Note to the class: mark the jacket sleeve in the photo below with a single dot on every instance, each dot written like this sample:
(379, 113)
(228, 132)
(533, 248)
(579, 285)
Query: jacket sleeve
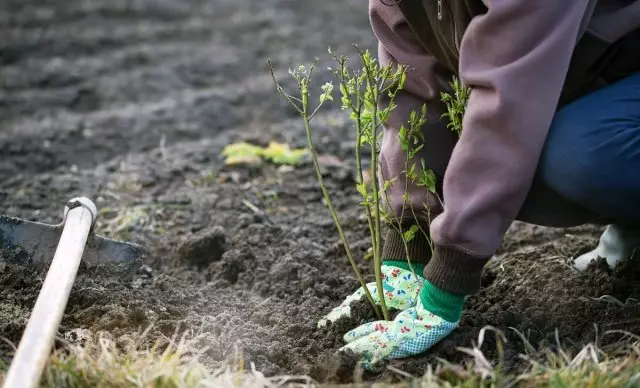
(425, 80)
(514, 58)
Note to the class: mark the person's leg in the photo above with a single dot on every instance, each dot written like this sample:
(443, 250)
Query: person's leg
(545, 206)
(591, 159)
(587, 139)
(592, 152)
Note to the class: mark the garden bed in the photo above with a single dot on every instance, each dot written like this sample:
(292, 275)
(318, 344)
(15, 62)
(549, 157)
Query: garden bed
(132, 103)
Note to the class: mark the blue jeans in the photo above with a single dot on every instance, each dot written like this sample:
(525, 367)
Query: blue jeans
(589, 170)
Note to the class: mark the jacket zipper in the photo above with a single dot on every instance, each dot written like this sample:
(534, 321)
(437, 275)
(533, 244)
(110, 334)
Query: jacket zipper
(453, 24)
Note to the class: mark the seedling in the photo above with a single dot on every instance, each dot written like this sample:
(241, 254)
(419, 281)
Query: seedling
(360, 93)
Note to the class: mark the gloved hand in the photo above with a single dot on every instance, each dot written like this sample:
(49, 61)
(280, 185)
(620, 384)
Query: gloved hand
(415, 330)
(615, 245)
(401, 288)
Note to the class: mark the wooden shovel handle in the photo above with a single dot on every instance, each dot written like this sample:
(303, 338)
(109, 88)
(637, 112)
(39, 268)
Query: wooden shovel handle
(35, 346)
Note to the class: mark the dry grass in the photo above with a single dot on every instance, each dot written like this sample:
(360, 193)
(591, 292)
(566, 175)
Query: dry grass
(100, 362)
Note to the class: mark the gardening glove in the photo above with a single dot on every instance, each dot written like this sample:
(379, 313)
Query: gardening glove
(615, 245)
(401, 288)
(436, 314)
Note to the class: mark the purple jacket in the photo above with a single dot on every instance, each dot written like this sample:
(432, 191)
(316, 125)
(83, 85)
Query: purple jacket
(515, 59)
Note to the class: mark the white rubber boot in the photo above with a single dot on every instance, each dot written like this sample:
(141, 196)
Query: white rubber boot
(615, 246)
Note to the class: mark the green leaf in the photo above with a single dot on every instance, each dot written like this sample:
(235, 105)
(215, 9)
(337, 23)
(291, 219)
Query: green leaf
(242, 153)
(346, 101)
(410, 234)
(412, 116)
(281, 154)
(367, 114)
(364, 138)
(402, 135)
(418, 148)
(427, 179)
(327, 89)
(362, 189)
(383, 115)
(405, 197)
(411, 173)
(387, 184)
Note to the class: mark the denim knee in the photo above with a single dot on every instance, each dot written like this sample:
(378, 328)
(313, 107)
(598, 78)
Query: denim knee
(592, 151)
(565, 166)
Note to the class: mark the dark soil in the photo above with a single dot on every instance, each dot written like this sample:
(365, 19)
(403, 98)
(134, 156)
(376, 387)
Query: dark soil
(131, 103)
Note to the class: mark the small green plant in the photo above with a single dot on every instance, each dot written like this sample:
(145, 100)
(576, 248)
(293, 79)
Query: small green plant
(302, 75)
(360, 93)
(277, 153)
(456, 104)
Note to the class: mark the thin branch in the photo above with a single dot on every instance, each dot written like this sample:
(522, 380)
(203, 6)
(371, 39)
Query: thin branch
(280, 90)
(374, 186)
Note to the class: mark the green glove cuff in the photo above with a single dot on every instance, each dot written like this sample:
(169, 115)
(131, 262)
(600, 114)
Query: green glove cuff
(418, 268)
(444, 304)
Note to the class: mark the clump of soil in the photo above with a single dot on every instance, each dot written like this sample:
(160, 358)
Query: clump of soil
(204, 248)
(132, 104)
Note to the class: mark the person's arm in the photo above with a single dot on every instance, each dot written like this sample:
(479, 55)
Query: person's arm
(425, 80)
(514, 58)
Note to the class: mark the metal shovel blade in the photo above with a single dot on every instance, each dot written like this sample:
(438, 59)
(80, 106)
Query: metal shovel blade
(28, 242)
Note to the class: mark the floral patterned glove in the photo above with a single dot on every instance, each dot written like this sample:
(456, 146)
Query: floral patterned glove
(413, 331)
(401, 288)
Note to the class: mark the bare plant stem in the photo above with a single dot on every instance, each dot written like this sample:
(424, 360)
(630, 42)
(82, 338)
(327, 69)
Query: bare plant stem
(361, 178)
(360, 94)
(377, 260)
(357, 110)
(398, 229)
(304, 112)
(424, 233)
(332, 210)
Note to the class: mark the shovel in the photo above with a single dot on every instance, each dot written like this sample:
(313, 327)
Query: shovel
(69, 243)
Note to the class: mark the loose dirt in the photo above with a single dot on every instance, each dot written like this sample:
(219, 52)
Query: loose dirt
(131, 104)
